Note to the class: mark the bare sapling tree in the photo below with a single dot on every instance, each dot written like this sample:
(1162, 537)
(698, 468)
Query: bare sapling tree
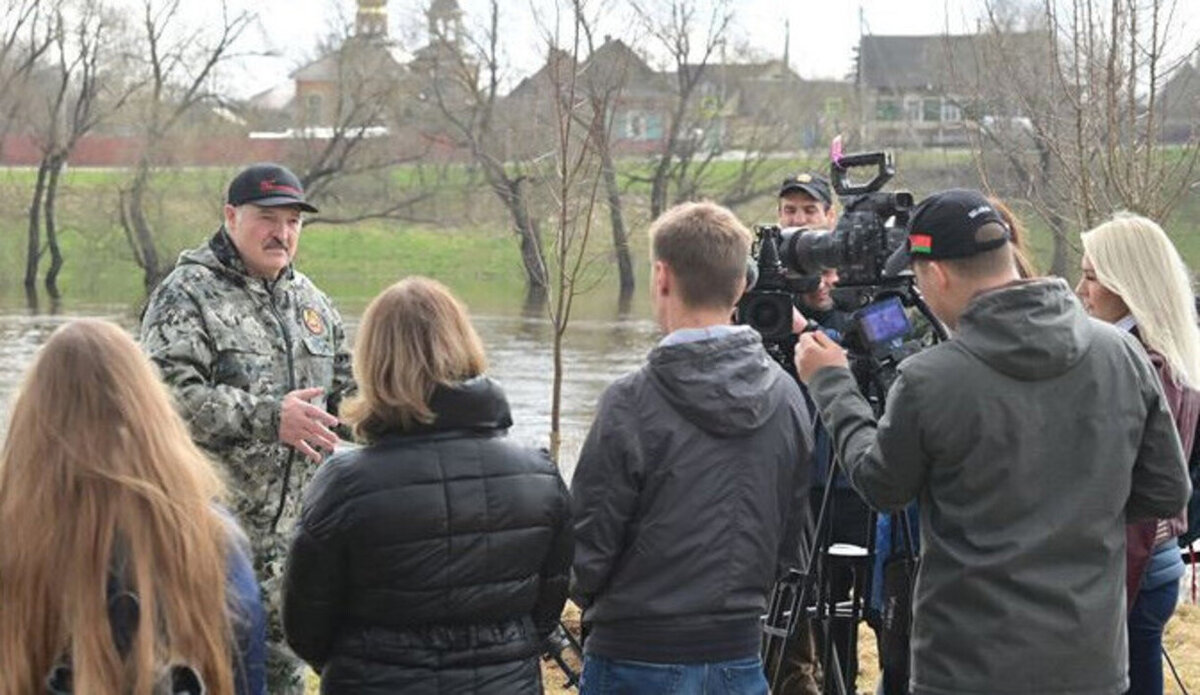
(462, 80)
(349, 154)
(674, 29)
(76, 93)
(581, 122)
(179, 65)
(1071, 108)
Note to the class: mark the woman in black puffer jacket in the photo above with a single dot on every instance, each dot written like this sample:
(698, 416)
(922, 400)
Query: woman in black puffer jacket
(435, 559)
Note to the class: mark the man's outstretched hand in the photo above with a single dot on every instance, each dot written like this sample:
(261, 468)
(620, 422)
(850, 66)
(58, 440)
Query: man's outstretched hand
(305, 427)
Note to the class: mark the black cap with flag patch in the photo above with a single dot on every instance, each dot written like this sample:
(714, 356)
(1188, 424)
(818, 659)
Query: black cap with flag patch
(946, 225)
(268, 186)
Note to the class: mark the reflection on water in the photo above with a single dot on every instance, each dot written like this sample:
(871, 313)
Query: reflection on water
(519, 353)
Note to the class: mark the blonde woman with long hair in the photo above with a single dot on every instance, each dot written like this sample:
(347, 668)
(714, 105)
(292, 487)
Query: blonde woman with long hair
(435, 558)
(1133, 277)
(118, 574)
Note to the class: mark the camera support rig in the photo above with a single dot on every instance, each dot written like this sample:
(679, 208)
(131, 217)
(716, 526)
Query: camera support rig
(858, 247)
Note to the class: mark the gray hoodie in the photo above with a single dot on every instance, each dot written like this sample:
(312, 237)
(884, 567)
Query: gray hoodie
(1029, 440)
(690, 488)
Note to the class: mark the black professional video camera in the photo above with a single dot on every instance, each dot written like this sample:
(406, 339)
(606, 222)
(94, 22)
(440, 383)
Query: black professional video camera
(859, 246)
(789, 263)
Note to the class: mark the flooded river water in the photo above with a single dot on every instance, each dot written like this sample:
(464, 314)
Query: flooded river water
(518, 349)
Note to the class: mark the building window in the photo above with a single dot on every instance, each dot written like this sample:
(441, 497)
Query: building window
(640, 125)
(636, 129)
(931, 109)
(312, 109)
(912, 108)
(951, 111)
(833, 107)
(887, 110)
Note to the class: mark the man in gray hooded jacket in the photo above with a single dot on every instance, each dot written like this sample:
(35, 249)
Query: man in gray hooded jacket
(692, 483)
(1029, 439)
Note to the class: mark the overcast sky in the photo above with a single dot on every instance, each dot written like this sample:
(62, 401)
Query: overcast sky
(823, 32)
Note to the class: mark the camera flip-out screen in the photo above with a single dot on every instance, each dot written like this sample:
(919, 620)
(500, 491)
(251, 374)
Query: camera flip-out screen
(883, 322)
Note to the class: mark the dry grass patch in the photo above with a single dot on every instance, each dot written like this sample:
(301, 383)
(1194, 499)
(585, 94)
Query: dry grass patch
(1182, 642)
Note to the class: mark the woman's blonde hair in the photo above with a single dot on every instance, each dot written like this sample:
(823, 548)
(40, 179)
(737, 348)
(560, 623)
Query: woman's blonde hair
(96, 459)
(414, 336)
(1134, 258)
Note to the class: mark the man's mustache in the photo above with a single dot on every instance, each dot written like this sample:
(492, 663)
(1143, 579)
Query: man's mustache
(275, 244)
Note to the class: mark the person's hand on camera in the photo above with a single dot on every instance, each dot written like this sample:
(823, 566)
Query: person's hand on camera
(814, 352)
(305, 427)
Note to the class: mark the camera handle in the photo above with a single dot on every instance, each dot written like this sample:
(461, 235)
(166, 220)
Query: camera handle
(885, 169)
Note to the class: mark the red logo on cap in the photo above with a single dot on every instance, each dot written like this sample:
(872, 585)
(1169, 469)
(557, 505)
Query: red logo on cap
(269, 186)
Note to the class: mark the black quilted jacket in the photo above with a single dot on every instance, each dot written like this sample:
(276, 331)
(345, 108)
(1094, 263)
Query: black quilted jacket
(434, 561)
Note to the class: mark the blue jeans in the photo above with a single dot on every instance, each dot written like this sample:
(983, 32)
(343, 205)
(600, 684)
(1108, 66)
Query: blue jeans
(1151, 610)
(603, 676)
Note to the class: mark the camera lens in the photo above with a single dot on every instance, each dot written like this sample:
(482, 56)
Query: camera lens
(808, 252)
(769, 313)
(765, 314)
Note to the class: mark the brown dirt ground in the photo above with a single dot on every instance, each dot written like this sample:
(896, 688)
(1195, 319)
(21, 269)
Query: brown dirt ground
(1182, 642)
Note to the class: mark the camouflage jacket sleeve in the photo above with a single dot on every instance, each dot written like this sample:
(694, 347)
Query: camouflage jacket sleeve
(177, 340)
(343, 385)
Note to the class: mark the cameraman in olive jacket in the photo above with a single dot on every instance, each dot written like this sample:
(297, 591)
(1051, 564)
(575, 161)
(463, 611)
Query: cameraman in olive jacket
(1028, 455)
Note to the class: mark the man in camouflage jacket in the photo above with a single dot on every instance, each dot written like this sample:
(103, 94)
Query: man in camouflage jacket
(255, 355)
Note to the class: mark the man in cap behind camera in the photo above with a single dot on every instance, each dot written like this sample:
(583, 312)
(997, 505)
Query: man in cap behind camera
(806, 200)
(256, 357)
(1029, 438)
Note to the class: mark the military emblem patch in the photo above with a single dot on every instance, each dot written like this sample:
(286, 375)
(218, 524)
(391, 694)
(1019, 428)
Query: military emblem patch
(313, 322)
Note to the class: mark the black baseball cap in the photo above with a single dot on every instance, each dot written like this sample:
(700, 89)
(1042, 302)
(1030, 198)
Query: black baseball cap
(267, 185)
(814, 185)
(945, 225)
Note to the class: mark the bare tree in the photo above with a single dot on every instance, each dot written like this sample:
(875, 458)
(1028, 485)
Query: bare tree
(463, 83)
(26, 33)
(180, 67)
(674, 29)
(603, 84)
(581, 109)
(73, 99)
(1071, 109)
(349, 154)
(761, 132)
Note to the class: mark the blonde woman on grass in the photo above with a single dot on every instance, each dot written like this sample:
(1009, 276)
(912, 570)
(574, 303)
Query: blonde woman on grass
(1133, 277)
(118, 571)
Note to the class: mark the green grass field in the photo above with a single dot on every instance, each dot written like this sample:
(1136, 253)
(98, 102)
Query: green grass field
(473, 250)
